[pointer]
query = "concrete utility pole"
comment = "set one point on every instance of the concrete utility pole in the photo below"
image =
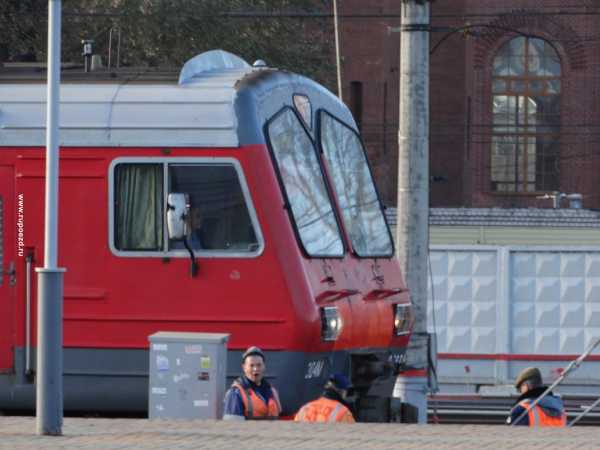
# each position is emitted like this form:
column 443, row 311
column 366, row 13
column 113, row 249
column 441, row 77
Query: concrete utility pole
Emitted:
column 412, row 233
column 338, row 58
column 49, row 370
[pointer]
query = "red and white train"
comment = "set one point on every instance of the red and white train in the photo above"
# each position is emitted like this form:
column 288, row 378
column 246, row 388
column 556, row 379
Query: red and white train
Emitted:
column 290, row 250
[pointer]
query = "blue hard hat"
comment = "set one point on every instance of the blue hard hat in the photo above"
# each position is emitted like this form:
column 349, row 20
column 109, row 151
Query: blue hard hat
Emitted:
column 340, row 381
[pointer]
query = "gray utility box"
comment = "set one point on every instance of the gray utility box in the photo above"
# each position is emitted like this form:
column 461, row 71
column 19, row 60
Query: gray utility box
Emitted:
column 187, row 375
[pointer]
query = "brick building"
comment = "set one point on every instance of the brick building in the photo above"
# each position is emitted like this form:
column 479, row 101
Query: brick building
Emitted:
column 514, row 97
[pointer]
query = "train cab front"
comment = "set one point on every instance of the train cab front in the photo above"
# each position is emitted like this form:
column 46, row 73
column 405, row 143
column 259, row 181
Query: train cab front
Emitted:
column 365, row 323
column 358, row 306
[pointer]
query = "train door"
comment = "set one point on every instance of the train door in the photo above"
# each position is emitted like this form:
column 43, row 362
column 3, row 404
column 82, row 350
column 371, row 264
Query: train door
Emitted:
column 7, row 266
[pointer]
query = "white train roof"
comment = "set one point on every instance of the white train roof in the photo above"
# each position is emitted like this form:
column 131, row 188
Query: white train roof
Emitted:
column 198, row 112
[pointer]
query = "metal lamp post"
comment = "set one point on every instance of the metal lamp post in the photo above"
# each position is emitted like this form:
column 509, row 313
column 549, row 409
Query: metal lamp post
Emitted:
column 49, row 383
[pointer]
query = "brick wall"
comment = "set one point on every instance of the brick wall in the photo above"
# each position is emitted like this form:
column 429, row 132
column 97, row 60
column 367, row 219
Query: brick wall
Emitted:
column 461, row 91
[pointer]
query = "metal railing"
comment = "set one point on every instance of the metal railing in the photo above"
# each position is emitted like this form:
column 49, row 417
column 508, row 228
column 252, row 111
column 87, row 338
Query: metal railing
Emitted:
column 570, row 368
column 584, row 413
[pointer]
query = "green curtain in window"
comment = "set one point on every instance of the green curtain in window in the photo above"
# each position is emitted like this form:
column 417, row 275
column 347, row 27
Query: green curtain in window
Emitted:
column 139, row 206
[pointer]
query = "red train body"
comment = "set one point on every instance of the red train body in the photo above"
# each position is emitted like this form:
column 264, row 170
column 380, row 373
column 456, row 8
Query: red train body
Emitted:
column 288, row 233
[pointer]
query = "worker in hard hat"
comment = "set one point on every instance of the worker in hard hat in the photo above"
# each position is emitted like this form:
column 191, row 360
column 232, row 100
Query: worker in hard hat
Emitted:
column 548, row 412
column 331, row 406
column 251, row 396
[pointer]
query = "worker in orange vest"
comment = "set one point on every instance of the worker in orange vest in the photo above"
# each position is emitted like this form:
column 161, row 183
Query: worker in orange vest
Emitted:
column 251, row 397
column 331, row 406
column 548, row 412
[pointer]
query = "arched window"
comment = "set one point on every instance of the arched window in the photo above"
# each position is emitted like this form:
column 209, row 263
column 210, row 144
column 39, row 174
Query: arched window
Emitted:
column 526, row 117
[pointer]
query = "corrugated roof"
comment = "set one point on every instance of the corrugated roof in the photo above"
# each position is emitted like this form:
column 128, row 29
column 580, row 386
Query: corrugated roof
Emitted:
column 509, row 217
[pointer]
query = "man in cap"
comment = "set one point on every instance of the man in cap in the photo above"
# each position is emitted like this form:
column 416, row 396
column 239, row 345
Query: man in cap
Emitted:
column 331, row 406
column 548, row 412
column 251, row 397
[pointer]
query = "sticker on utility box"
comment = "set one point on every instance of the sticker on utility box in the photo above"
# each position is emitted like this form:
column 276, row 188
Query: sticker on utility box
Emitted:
column 162, row 362
column 203, row 376
column 205, row 362
column 180, row 377
column 159, row 390
column 160, row 347
column 193, row 349
column 200, row 403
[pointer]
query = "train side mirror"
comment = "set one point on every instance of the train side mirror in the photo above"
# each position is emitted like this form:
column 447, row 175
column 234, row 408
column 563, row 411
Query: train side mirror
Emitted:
column 178, row 212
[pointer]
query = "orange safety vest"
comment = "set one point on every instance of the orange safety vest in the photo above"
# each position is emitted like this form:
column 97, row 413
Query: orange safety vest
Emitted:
column 538, row 418
column 255, row 407
column 324, row 410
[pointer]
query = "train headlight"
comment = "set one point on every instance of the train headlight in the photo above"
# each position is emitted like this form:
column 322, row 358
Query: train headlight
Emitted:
column 403, row 319
column 331, row 323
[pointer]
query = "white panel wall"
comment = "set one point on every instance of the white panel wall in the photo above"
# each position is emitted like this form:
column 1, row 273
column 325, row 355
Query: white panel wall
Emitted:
column 464, row 298
column 492, row 306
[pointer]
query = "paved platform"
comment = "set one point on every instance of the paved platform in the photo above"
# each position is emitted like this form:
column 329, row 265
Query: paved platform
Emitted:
column 19, row 433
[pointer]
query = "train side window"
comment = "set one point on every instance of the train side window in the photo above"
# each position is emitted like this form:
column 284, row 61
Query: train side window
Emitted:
column 138, row 207
column 222, row 221
column 361, row 209
column 304, row 186
column 219, row 217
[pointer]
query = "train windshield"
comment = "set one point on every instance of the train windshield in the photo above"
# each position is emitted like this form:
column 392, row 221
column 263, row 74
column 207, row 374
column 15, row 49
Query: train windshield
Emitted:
column 304, row 186
column 353, row 184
